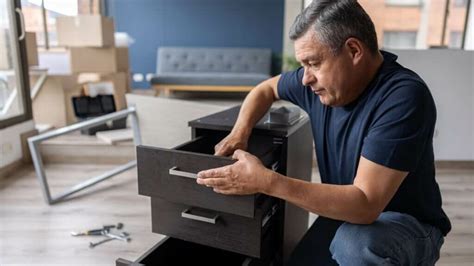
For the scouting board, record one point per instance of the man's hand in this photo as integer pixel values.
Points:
(246, 176)
(231, 143)
(254, 107)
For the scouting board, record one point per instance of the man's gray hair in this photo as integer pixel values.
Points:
(334, 21)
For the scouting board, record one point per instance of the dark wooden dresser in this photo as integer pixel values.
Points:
(214, 229)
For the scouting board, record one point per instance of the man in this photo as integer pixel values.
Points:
(372, 123)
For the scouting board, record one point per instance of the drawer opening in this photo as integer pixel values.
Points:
(258, 145)
(179, 252)
(203, 144)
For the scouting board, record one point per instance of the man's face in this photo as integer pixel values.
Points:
(329, 76)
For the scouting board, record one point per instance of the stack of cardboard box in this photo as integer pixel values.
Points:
(91, 50)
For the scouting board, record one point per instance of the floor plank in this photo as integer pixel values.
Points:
(33, 233)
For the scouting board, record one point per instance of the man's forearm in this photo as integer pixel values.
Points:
(341, 202)
(255, 105)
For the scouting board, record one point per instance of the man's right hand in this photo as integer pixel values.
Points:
(231, 143)
(257, 102)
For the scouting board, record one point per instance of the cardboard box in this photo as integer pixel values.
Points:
(98, 60)
(31, 49)
(53, 103)
(85, 60)
(129, 82)
(123, 64)
(48, 104)
(85, 31)
(113, 83)
(71, 89)
(55, 60)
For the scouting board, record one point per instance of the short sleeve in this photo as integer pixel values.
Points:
(290, 88)
(402, 127)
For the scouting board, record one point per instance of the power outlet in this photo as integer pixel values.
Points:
(6, 148)
(138, 77)
(149, 76)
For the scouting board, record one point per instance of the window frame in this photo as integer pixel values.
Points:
(22, 74)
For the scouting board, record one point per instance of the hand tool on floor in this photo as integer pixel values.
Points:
(124, 236)
(98, 232)
(94, 244)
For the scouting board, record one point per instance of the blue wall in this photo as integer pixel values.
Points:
(218, 23)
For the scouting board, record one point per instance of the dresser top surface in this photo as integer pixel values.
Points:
(226, 119)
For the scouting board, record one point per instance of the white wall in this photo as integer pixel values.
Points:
(449, 75)
(10, 144)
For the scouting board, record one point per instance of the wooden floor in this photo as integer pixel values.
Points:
(33, 233)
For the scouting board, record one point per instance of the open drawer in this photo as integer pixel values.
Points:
(170, 174)
(172, 251)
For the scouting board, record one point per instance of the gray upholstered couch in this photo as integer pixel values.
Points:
(211, 69)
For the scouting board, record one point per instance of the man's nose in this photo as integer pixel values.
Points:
(308, 78)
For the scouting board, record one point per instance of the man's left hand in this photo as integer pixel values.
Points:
(246, 176)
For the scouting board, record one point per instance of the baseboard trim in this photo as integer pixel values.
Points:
(10, 168)
(467, 165)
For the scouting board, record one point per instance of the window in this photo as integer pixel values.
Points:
(403, 2)
(399, 39)
(431, 21)
(460, 3)
(15, 104)
(455, 39)
(33, 11)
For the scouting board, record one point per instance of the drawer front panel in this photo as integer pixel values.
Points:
(170, 174)
(220, 230)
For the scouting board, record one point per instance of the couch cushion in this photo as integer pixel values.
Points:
(211, 59)
(231, 79)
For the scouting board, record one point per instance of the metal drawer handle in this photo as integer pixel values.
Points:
(275, 165)
(269, 215)
(174, 171)
(186, 214)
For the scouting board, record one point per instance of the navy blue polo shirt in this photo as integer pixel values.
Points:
(391, 123)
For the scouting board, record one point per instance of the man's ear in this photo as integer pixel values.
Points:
(355, 49)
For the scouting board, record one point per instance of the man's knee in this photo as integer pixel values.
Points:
(361, 245)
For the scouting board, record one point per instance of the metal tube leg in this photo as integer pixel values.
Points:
(34, 142)
(39, 168)
(137, 139)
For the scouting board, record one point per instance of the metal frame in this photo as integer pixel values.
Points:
(34, 142)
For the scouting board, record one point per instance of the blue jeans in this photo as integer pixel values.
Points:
(393, 239)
